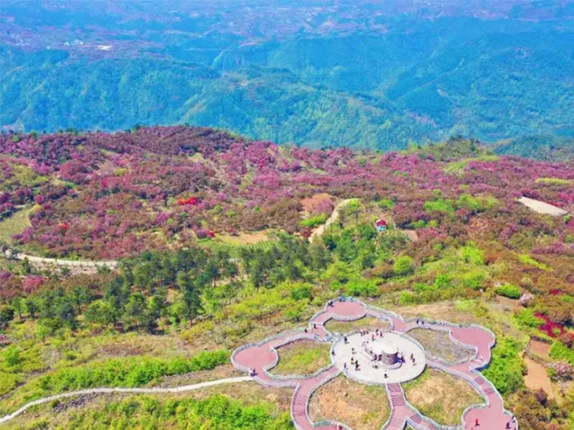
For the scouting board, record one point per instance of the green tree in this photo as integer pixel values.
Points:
(117, 294)
(362, 287)
(301, 292)
(351, 210)
(157, 304)
(100, 312)
(319, 256)
(6, 315)
(403, 266)
(12, 356)
(346, 248)
(66, 311)
(442, 281)
(32, 307)
(190, 294)
(19, 305)
(135, 310)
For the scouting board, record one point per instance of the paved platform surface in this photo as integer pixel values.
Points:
(261, 357)
(367, 373)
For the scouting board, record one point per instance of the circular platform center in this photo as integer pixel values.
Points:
(385, 359)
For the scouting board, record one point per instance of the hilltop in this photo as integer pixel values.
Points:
(208, 233)
(164, 187)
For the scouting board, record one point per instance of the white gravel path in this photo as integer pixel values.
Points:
(181, 389)
(69, 263)
(334, 217)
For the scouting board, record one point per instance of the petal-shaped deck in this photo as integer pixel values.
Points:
(260, 358)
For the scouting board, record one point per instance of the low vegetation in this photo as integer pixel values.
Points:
(507, 367)
(133, 372)
(510, 291)
(439, 345)
(554, 181)
(125, 372)
(360, 406)
(302, 358)
(14, 224)
(441, 397)
(152, 413)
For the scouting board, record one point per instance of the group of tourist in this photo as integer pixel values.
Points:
(353, 363)
(510, 425)
(377, 333)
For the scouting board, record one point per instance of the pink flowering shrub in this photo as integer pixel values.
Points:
(32, 283)
(111, 194)
(563, 371)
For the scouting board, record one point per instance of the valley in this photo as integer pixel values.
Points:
(397, 73)
(287, 215)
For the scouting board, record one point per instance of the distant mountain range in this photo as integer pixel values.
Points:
(322, 74)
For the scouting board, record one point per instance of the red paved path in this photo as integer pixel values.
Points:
(492, 416)
(302, 396)
(262, 357)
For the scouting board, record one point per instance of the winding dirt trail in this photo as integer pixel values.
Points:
(182, 389)
(318, 232)
(83, 266)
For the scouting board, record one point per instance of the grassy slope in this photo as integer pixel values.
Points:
(302, 358)
(439, 345)
(440, 396)
(360, 406)
(14, 224)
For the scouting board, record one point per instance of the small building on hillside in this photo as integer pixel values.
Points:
(381, 225)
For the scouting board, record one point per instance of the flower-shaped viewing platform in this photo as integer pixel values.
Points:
(380, 357)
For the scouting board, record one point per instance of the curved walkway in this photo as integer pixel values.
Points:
(260, 358)
(69, 263)
(490, 416)
(123, 390)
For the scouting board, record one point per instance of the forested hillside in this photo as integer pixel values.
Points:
(207, 206)
(347, 75)
(162, 187)
(210, 233)
(545, 147)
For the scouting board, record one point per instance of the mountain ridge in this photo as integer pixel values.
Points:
(350, 75)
